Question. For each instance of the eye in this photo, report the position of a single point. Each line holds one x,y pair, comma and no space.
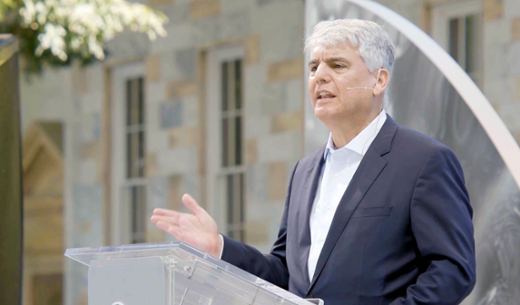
313,68
338,66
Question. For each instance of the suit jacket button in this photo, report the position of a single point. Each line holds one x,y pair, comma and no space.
310,296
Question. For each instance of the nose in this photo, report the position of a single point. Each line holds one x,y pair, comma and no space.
322,74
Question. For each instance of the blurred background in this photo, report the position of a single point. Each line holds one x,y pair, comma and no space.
117,120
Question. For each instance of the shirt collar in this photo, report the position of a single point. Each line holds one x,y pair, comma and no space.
362,141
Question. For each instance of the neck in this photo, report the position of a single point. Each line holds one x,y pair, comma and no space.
344,130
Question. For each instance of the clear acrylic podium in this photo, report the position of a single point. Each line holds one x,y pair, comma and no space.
171,273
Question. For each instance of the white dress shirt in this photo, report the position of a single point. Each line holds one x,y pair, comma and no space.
340,165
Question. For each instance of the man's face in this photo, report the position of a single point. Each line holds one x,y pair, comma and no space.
332,70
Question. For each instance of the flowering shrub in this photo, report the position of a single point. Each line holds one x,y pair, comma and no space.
6,5
56,31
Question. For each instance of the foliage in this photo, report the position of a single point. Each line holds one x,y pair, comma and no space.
55,32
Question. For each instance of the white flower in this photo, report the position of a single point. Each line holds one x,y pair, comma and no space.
28,12
50,3
75,43
53,38
90,23
41,12
95,48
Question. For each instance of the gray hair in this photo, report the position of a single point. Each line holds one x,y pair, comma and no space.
373,42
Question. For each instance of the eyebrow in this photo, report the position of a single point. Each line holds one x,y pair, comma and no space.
330,60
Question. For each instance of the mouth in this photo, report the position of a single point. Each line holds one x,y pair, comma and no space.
324,95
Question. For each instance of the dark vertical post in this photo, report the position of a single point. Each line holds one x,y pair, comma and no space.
10,175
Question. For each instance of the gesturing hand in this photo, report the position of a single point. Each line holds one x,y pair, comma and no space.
198,230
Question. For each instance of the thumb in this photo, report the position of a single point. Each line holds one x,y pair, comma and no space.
191,204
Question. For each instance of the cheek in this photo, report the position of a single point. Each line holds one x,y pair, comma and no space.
310,84
310,89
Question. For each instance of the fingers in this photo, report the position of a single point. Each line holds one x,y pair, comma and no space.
188,201
164,226
164,212
166,219
173,217
165,215
191,204
170,229
181,234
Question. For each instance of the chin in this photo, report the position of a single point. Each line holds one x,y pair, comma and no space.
322,114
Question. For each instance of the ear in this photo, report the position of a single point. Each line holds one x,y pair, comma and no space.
381,82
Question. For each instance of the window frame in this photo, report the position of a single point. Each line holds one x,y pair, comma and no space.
442,13
121,213
216,171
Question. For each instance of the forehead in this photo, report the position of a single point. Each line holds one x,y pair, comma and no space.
344,50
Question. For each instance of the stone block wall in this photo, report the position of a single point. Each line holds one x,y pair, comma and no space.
501,37
500,43
271,33
74,96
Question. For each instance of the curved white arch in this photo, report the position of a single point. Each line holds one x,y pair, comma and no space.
494,126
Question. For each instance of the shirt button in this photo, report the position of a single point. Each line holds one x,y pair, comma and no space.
329,207
336,175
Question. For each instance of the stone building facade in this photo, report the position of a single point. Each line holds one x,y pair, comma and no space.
215,109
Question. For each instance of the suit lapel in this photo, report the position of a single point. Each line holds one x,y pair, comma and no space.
369,169
308,193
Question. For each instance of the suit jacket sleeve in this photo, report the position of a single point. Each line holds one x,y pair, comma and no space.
271,267
443,231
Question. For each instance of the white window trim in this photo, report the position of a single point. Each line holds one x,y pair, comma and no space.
120,234
443,12
215,198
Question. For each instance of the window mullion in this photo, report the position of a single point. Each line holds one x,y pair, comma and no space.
231,172
231,141
238,204
462,42
135,184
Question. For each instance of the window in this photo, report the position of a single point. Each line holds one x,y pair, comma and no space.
463,45
135,187
128,191
226,168
232,171
457,27
134,128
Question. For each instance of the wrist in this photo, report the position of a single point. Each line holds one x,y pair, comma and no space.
217,249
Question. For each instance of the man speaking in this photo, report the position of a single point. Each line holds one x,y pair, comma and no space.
378,215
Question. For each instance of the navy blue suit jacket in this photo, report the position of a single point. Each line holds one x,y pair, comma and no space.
402,232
